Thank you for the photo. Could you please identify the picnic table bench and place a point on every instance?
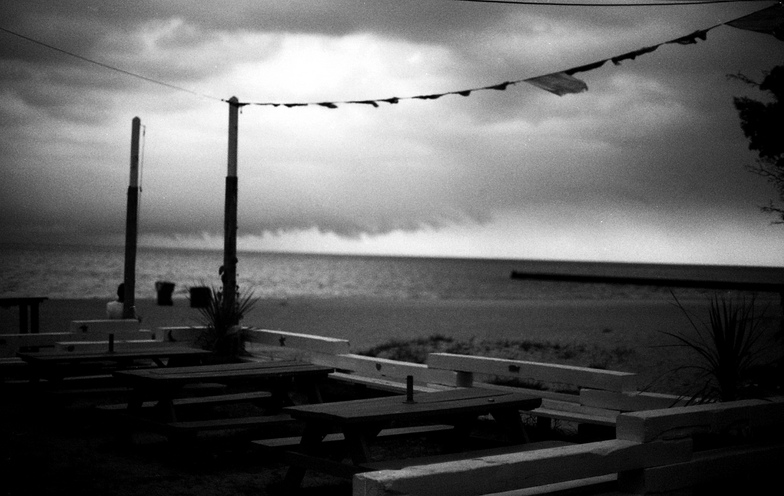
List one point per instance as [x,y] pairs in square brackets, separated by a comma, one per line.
[361,422]
[82,335]
[55,365]
[271,382]
[596,398]
[29,319]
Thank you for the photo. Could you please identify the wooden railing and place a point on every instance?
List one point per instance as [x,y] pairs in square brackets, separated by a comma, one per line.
[654,452]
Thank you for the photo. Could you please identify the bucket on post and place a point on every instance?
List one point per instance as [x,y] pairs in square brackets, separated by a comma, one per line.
[165,290]
[200,297]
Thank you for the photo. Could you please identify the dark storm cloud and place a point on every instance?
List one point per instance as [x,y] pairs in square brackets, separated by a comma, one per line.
[653,134]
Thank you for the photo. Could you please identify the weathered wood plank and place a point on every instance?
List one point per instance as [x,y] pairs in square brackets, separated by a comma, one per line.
[681,422]
[629,401]
[102,346]
[521,470]
[300,341]
[294,441]
[571,416]
[572,407]
[382,384]
[547,372]
[382,367]
[454,457]
[230,423]
[179,334]
[219,399]
[103,325]
[749,464]
[10,344]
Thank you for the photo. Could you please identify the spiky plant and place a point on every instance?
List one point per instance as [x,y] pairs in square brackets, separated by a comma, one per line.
[727,347]
[223,334]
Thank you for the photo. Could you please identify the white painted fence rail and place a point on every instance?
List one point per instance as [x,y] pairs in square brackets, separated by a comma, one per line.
[653,453]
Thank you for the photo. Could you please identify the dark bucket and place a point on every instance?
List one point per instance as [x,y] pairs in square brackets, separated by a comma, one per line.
[200,297]
[165,290]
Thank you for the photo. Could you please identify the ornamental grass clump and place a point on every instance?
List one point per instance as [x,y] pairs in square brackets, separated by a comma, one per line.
[727,347]
[223,334]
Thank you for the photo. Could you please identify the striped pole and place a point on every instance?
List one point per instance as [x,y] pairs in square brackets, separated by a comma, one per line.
[230,225]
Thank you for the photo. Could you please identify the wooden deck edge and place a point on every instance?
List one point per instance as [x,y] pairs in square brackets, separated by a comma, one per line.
[454,457]
[521,470]
[744,465]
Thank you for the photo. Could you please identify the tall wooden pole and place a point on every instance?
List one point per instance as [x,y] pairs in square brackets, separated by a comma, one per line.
[230,226]
[131,225]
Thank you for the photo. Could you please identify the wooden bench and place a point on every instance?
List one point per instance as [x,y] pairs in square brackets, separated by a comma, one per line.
[596,398]
[103,326]
[189,429]
[212,400]
[281,443]
[738,442]
[255,422]
[179,334]
[82,332]
[519,469]
[379,374]
[655,452]
[29,319]
[456,457]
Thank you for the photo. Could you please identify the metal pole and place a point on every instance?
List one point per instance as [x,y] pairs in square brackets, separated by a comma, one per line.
[131,225]
[230,226]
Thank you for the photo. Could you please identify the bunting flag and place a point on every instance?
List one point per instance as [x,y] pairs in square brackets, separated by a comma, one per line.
[559,83]
[769,20]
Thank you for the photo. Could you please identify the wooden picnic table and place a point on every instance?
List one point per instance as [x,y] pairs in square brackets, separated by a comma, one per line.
[165,384]
[28,311]
[362,420]
[54,365]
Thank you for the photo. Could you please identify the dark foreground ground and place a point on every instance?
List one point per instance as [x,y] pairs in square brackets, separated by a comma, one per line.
[54,445]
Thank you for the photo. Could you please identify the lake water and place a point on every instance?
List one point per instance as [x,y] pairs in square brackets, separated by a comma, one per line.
[95,272]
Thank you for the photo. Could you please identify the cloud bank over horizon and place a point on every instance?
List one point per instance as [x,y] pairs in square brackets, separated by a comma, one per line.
[647,165]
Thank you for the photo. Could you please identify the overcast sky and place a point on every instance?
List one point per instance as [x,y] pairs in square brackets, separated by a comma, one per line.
[645,166]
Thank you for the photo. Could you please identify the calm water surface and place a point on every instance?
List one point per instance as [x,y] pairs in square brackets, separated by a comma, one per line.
[95,272]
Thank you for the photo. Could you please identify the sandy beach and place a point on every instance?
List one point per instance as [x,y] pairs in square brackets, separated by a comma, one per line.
[626,325]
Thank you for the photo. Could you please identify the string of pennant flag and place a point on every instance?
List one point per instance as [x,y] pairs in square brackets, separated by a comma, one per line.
[769,21]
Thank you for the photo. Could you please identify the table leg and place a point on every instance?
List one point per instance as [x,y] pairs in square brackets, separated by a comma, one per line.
[34,318]
[23,326]
[135,400]
[357,442]
[311,388]
[312,436]
[510,420]
[166,407]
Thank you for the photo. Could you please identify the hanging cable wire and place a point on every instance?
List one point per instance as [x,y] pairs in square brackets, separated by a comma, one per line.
[546,3]
[107,66]
[773,25]
[768,20]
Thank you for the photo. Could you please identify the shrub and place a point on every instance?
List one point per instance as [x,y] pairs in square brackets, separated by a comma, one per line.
[727,348]
[223,334]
